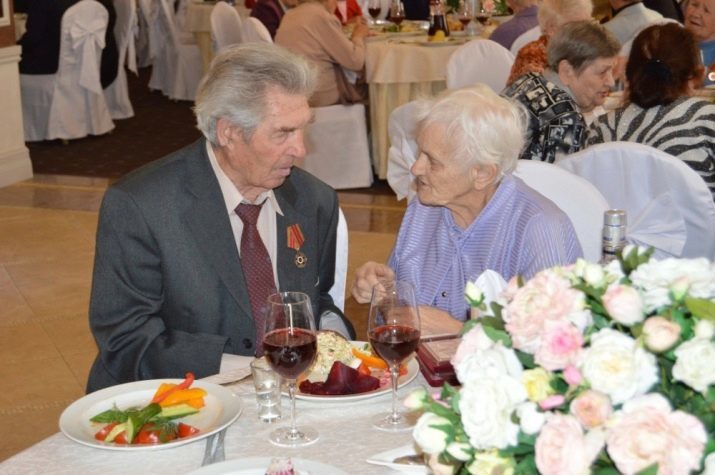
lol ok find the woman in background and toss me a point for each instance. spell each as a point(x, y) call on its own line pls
point(700, 21)
point(659, 109)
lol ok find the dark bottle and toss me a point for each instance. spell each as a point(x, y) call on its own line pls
point(437, 19)
point(613, 238)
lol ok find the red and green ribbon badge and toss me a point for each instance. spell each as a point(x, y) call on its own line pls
point(295, 237)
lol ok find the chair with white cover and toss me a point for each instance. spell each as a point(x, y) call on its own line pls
point(484, 61)
point(117, 93)
point(574, 195)
point(177, 64)
point(337, 147)
point(527, 37)
point(254, 31)
point(668, 205)
point(143, 50)
point(226, 26)
point(403, 150)
point(337, 291)
point(70, 104)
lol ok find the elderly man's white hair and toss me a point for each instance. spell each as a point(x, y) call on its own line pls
point(483, 127)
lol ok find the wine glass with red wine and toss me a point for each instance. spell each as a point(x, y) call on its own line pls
point(374, 7)
point(290, 345)
point(394, 331)
point(397, 12)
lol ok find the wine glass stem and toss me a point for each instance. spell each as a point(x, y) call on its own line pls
point(294, 434)
point(394, 374)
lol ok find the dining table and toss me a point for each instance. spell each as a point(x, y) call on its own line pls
point(346, 439)
point(198, 22)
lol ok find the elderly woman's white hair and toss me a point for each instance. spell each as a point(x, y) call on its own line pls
point(554, 13)
point(483, 127)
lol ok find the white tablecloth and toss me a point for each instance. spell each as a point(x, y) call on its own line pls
point(347, 438)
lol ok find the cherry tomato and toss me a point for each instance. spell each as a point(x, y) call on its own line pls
point(185, 430)
point(147, 437)
point(104, 431)
point(121, 438)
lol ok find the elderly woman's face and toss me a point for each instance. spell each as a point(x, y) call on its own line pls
point(441, 180)
point(590, 86)
point(700, 19)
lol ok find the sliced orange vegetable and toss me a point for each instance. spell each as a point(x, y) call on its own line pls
point(186, 383)
point(197, 403)
point(182, 395)
point(164, 387)
point(364, 369)
point(370, 360)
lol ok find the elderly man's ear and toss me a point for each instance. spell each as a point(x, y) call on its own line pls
point(226, 132)
point(483, 176)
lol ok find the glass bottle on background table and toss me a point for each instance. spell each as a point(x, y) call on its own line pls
point(613, 237)
point(437, 19)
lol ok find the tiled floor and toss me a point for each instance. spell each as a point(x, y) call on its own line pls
point(47, 230)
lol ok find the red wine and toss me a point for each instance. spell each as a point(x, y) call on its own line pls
point(396, 19)
point(437, 23)
point(394, 343)
point(481, 18)
point(464, 21)
point(290, 352)
point(374, 12)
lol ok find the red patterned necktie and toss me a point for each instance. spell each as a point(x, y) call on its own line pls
point(257, 268)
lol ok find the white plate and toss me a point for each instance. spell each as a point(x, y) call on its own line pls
point(386, 458)
point(258, 465)
point(413, 368)
point(222, 408)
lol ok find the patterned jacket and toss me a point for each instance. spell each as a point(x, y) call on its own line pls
point(556, 127)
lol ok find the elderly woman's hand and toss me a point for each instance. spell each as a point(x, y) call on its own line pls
point(434, 321)
point(366, 277)
point(360, 31)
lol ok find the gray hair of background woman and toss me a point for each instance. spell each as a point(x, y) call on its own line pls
point(554, 13)
point(235, 86)
point(580, 43)
point(482, 127)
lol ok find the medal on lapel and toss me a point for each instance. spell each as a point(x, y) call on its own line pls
point(295, 241)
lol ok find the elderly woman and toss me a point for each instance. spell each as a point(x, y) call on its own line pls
point(312, 30)
point(700, 20)
point(471, 213)
point(659, 109)
point(531, 58)
point(524, 19)
point(581, 58)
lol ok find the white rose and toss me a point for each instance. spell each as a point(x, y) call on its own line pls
point(460, 450)
point(695, 364)
point(616, 366)
point(593, 275)
point(704, 329)
point(486, 363)
point(623, 304)
point(430, 439)
point(473, 294)
point(530, 418)
point(660, 333)
point(487, 406)
point(655, 279)
point(709, 465)
point(614, 271)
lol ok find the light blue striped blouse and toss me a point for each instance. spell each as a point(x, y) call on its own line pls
point(519, 232)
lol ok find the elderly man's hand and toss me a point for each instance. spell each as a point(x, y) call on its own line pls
point(434, 321)
point(366, 277)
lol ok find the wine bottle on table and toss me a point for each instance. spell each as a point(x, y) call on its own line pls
point(613, 237)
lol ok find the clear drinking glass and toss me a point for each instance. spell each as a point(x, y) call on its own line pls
point(394, 331)
point(464, 13)
point(290, 345)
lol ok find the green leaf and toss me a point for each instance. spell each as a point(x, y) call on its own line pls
point(498, 336)
point(526, 360)
point(496, 310)
point(559, 385)
point(605, 471)
point(651, 470)
point(468, 325)
point(527, 466)
point(701, 308)
point(111, 415)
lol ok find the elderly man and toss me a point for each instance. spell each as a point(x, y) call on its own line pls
point(524, 19)
point(581, 57)
point(190, 247)
point(630, 17)
point(472, 214)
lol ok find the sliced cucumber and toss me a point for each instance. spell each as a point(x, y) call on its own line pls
point(116, 430)
point(177, 410)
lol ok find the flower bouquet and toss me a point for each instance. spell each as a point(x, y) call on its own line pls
point(583, 369)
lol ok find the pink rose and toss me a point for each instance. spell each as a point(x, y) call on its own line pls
point(561, 448)
point(591, 408)
point(560, 346)
point(649, 432)
point(552, 402)
point(572, 375)
point(624, 304)
point(660, 333)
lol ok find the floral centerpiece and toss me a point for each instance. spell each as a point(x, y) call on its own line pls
point(583, 369)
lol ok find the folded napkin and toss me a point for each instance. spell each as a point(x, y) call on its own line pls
point(233, 368)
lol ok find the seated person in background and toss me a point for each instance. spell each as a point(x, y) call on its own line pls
point(531, 58)
point(524, 19)
point(416, 9)
point(581, 58)
point(668, 8)
point(312, 30)
point(347, 10)
point(630, 17)
point(270, 13)
point(190, 246)
point(659, 109)
point(700, 20)
point(471, 213)
point(41, 41)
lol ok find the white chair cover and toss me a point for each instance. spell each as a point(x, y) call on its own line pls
point(403, 150)
point(117, 93)
point(575, 196)
point(226, 26)
point(668, 205)
point(70, 104)
point(337, 291)
point(337, 147)
point(484, 61)
point(144, 15)
point(527, 37)
point(177, 63)
point(255, 31)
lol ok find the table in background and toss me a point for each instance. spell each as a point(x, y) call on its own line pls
point(347, 439)
point(198, 22)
